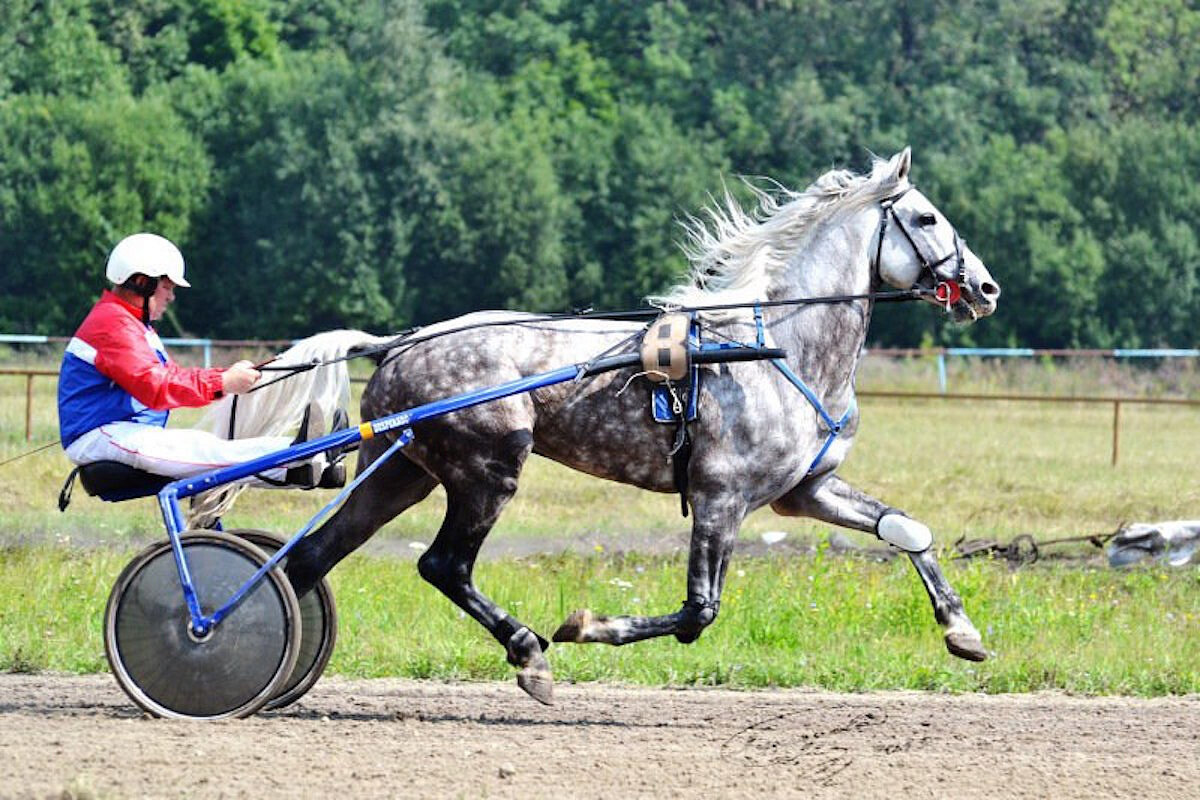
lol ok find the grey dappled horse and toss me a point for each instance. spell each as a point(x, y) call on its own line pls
point(755, 439)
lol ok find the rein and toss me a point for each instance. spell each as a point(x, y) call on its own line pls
point(410, 337)
point(39, 449)
point(946, 290)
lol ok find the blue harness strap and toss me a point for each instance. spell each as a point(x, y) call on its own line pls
point(835, 426)
point(668, 407)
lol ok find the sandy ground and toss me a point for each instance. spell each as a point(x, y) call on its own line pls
point(71, 737)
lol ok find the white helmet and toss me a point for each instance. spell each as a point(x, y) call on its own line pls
point(145, 254)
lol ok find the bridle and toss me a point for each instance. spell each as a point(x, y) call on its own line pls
point(947, 288)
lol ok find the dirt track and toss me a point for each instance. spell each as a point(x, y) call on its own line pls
point(80, 737)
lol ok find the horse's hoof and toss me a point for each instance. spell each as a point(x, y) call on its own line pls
point(537, 683)
point(534, 676)
point(572, 629)
point(964, 645)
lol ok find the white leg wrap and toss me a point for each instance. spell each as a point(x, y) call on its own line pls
point(905, 533)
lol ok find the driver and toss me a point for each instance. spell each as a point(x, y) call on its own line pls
point(117, 384)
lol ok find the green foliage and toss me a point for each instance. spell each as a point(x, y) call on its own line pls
point(292, 231)
point(53, 48)
point(1154, 47)
point(149, 37)
point(224, 31)
point(380, 163)
point(74, 176)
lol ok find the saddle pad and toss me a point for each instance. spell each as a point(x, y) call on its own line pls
point(664, 347)
point(661, 401)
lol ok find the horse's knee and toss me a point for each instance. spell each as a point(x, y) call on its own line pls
point(694, 618)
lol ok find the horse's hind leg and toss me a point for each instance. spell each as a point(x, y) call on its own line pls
point(716, 521)
point(477, 488)
point(831, 499)
point(395, 485)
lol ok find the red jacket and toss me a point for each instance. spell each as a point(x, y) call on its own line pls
point(116, 368)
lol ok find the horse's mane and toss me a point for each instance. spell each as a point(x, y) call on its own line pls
point(738, 256)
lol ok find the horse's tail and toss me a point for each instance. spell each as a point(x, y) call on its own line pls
point(276, 409)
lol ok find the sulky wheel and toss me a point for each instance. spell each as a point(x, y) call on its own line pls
point(234, 669)
point(318, 623)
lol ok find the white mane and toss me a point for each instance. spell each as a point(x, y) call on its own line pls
point(740, 257)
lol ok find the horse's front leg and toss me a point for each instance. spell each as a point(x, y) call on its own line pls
point(714, 529)
point(831, 499)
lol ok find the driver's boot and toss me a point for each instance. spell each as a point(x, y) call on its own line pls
point(309, 474)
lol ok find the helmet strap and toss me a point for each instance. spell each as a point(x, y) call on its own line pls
point(145, 286)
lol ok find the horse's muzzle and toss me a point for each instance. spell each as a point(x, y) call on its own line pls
point(979, 298)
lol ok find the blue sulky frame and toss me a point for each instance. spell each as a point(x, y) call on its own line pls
point(170, 495)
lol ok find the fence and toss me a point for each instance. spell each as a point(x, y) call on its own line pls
point(1034, 398)
point(29, 376)
point(1117, 402)
point(941, 353)
point(206, 345)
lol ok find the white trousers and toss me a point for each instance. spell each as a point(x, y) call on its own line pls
point(174, 452)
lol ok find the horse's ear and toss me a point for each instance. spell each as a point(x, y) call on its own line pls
point(903, 161)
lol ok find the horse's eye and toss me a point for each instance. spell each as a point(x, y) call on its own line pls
point(925, 220)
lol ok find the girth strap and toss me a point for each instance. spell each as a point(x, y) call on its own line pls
point(681, 456)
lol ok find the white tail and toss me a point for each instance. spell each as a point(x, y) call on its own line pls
point(277, 409)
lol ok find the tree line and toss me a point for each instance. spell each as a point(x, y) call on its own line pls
point(381, 163)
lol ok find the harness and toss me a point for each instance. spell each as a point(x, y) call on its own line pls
point(674, 404)
point(664, 351)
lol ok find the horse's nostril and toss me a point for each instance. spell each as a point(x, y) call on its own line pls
point(989, 290)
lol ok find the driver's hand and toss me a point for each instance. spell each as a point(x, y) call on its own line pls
point(239, 378)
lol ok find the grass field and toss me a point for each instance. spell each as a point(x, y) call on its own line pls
point(981, 469)
point(840, 623)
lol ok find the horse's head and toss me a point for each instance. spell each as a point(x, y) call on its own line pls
point(917, 247)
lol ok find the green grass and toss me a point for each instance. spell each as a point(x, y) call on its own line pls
point(838, 623)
